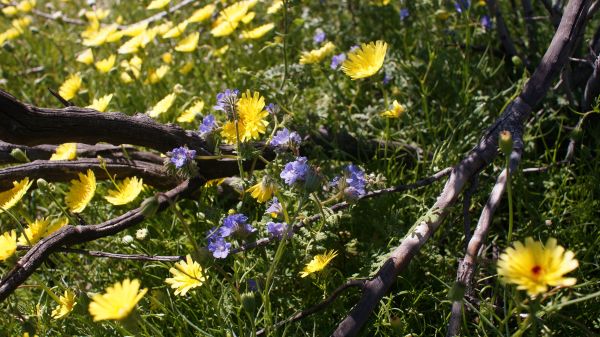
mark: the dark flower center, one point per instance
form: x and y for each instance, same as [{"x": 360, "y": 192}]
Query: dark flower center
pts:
[{"x": 536, "y": 270}]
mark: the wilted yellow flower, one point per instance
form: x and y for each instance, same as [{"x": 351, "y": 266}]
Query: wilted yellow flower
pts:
[
  {"x": 186, "y": 68},
  {"x": 258, "y": 32},
  {"x": 81, "y": 192},
  {"x": 154, "y": 76},
  {"x": 8, "y": 245},
  {"x": 107, "y": 64},
  {"x": 176, "y": 31},
  {"x": 366, "y": 60},
  {"x": 252, "y": 115},
  {"x": 189, "y": 43},
  {"x": 70, "y": 87},
  {"x": 26, "y": 5},
  {"x": 158, "y": 4},
  {"x": 101, "y": 103},
  {"x": 202, "y": 14},
  {"x": 186, "y": 275},
  {"x": 66, "y": 151},
  {"x": 396, "y": 111},
  {"x": 39, "y": 229},
  {"x": 118, "y": 301},
  {"x": 190, "y": 113},
  {"x": 86, "y": 57},
  {"x": 275, "y": 7},
  {"x": 126, "y": 191},
  {"x": 318, "y": 263},
  {"x": 535, "y": 266},
  {"x": 317, "y": 55},
  {"x": 11, "y": 197},
  {"x": 162, "y": 106},
  {"x": 65, "y": 305},
  {"x": 263, "y": 190}
]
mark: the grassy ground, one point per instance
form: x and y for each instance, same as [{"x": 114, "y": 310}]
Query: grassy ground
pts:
[{"x": 449, "y": 73}]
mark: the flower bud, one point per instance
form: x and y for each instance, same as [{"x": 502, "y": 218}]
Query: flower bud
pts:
[
  {"x": 19, "y": 155},
  {"x": 505, "y": 142},
  {"x": 41, "y": 183},
  {"x": 249, "y": 302},
  {"x": 127, "y": 239}
]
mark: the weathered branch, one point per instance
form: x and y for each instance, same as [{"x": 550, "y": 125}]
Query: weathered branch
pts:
[
  {"x": 70, "y": 235},
  {"x": 132, "y": 257},
  {"x": 512, "y": 119}
]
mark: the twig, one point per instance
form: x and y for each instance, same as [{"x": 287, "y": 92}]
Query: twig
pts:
[{"x": 133, "y": 257}]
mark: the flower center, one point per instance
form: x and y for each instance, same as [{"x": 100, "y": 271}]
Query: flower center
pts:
[{"x": 536, "y": 270}]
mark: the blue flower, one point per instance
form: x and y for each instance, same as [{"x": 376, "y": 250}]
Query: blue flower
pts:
[
  {"x": 295, "y": 170},
  {"x": 284, "y": 139},
  {"x": 236, "y": 223},
  {"x": 461, "y": 5},
  {"x": 404, "y": 13},
  {"x": 219, "y": 247},
  {"x": 275, "y": 208},
  {"x": 356, "y": 182},
  {"x": 277, "y": 229},
  {"x": 208, "y": 124},
  {"x": 386, "y": 79},
  {"x": 486, "y": 22},
  {"x": 319, "y": 36},
  {"x": 336, "y": 60},
  {"x": 182, "y": 155},
  {"x": 273, "y": 109},
  {"x": 226, "y": 100}
]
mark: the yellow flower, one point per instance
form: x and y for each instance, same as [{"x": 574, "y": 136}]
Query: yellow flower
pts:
[
  {"x": 66, "y": 151},
  {"x": 11, "y": 197},
  {"x": 70, "y": 87},
  {"x": 380, "y": 2},
  {"x": 534, "y": 266},
  {"x": 188, "y": 44},
  {"x": 81, "y": 192},
  {"x": 8, "y": 245},
  {"x": 158, "y": 4},
  {"x": 230, "y": 17},
  {"x": 134, "y": 66},
  {"x": 263, "y": 190},
  {"x": 221, "y": 51},
  {"x": 190, "y": 113},
  {"x": 366, "y": 60},
  {"x": 186, "y": 68},
  {"x": 224, "y": 28},
  {"x": 317, "y": 55},
  {"x": 39, "y": 229},
  {"x": 186, "y": 275},
  {"x": 318, "y": 263},
  {"x": 97, "y": 14},
  {"x": 248, "y": 17},
  {"x": 154, "y": 76},
  {"x": 126, "y": 191},
  {"x": 65, "y": 305},
  {"x": 396, "y": 111},
  {"x": 176, "y": 31},
  {"x": 100, "y": 104},
  {"x": 258, "y": 32},
  {"x": 86, "y": 57},
  {"x": 214, "y": 182},
  {"x": 275, "y": 7},
  {"x": 97, "y": 38},
  {"x": 167, "y": 57},
  {"x": 229, "y": 133},
  {"x": 118, "y": 301},
  {"x": 202, "y": 14},
  {"x": 9, "y": 10},
  {"x": 162, "y": 106},
  {"x": 26, "y": 5},
  {"x": 135, "y": 29},
  {"x": 106, "y": 65},
  {"x": 252, "y": 115}
]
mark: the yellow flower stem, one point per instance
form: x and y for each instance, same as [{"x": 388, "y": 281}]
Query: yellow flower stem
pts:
[
  {"x": 510, "y": 201},
  {"x": 103, "y": 166},
  {"x": 17, "y": 222}
]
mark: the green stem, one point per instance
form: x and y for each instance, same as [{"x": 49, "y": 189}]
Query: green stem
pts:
[{"x": 510, "y": 201}]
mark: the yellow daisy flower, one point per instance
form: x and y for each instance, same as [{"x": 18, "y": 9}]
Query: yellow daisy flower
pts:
[
  {"x": 258, "y": 32},
  {"x": 186, "y": 68},
  {"x": 8, "y": 245},
  {"x": 118, "y": 301},
  {"x": 317, "y": 55},
  {"x": 106, "y": 65},
  {"x": 248, "y": 17},
  {"x": 202, "y": 14},
  {"x": 11, "y": 197},
  {"x": 252, "y": 115},
  {"x": 100, "y": 104},
  {"x": 275, "y": 7},
  {"x": 97, "y": 15},
  {"x": 396, "y": 111},
  {"x": 66, "y": 151},
  {"x": 9, "y": 11},
  {"x": 158, "y": 4},
  {"x": 39, "y": 229},
  {"x": 126, "y": 191},
  {"x": 189, "y": 43},
  {"x": 318, "y": 263},
  {"x": 186, "y": 275},
  {"x": 535, "y": 266},
  {"x": 26, "y": 6},
  {"x": 81, "y": 192},
  {"x": 135, "y": 29},
  {"x": 162, "y": 106},
  {"x": 86, "y": 57},
  {"x": 229, "y": 133},
  {"x": 134, "y": 66},
  {"x": 70, "y": 87},
  {"x": 176, "y": 31},
  {"x": 97, "y": 38},
  {"x": 263, "y": 190},
  {"x": 366, "y": 60},
  {"x": 154, "y": 76},
  {"x": 190, "y": 113},
  {"x": 65, "y": 305},
  {"x": 221, "y": 51},
  {"x": 167, "y": 57},
  {"x": 224, "y": 28}
]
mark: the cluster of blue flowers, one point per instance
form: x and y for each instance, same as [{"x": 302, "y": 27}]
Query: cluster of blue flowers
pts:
[
  {"x": 295, "y": 171},
  {"x": 181, "y": 156},
  {"x": 234, "y": 224},
  {"x": 319, "y": 36},
  {"x": 284, "y": 139},
  {"x": 353, "y": 184},
  {"x": 208, "y": 125},
  {"x": 278, "y": 229},
  {"x": 337, "y": 60},
  {"x": 227, "y": 101},
  {"x": 404, "y": 13},
  {"x": 274, "y": 209}
]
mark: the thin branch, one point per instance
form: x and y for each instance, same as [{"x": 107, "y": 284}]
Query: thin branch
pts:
[{"x": 132, "y": 257}]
